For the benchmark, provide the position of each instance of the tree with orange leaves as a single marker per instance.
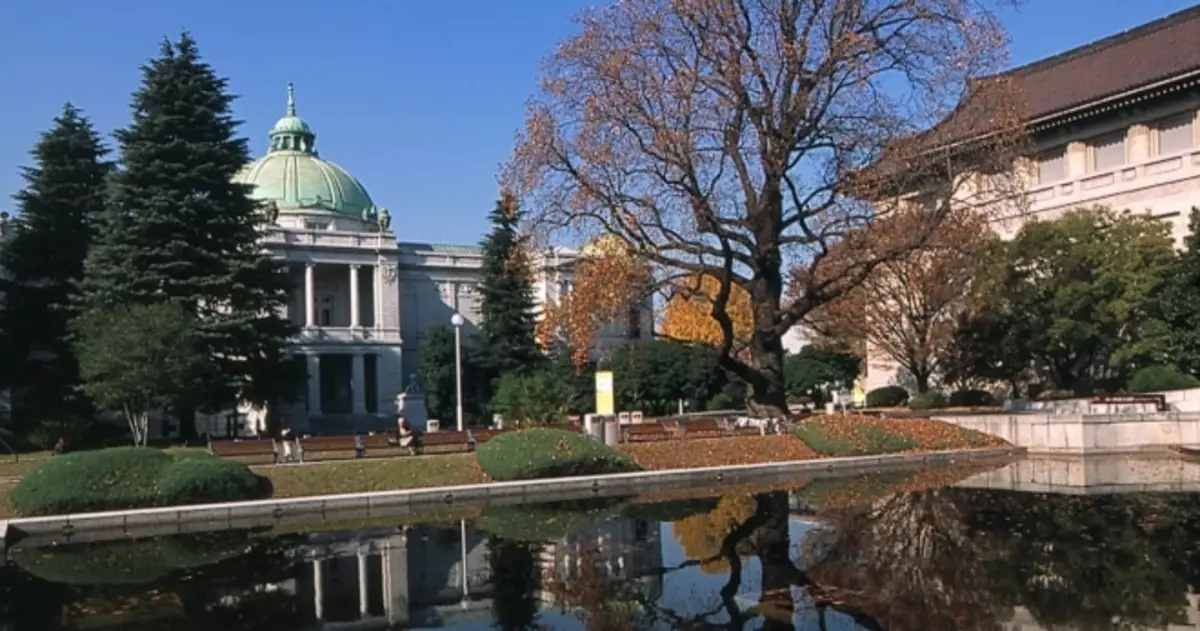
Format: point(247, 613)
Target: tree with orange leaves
point(687, 316)
point(907, 308)
point(735, 139)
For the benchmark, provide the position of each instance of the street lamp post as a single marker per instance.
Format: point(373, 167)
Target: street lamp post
point(458, 321)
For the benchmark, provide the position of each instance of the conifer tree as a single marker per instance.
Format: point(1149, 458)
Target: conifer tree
point(1179, 303)
point(178, 228)
point(42, 258)
point(508, 342)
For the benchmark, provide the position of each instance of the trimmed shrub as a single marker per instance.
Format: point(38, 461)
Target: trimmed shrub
point(1159, 378)
point(837, 440)
point(549, 453)
point(971, 399)
point(133, 477)
point(887, 397)
point(927, 401)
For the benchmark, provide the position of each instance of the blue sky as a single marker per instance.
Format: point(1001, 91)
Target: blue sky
point(418, 98)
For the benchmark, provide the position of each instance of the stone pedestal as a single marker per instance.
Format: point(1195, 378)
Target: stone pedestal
point(412, 407)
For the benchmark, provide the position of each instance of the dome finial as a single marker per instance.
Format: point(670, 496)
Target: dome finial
point(291, 106)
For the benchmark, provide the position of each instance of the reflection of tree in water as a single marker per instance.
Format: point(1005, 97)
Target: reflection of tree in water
point(701, 535)
point(1090, 562)
point(516, 576)
point(600, 603)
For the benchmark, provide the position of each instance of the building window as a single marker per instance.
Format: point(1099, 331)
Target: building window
point(316, 225)
point(1175, 133)
point(1108, 151)
point(1052, 166)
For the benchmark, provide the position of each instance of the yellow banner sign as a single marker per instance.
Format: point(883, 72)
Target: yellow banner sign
point(604, 393)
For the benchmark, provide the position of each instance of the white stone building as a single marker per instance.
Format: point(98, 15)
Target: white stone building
point(1115, 123)
point(364, 301)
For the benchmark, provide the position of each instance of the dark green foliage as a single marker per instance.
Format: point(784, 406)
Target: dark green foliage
point(178, 228)
point(654, 375)
point(927, 401)
point(538, 398)
point(870, 441)
point(671, 511)
point(507, 341)
point(43, 260)
point(549, 453)
point(580, 381)
point(1075, 294)
point(133, 477)
point(545, 522)
point(806, 373)
point(517, 577)
point(1161, 378)
point(971, 399)
point(887, 397)
point(131, 562)
point(140, 358)
point(437, 373)
point(1178, 303)
point(988, 346)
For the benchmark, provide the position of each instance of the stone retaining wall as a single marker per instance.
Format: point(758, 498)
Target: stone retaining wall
point(1050, 432)
point(268, 513)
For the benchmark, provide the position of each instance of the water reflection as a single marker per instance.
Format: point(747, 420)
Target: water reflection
point(896, 551)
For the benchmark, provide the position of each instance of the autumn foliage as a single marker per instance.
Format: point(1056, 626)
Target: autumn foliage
point(701, 535)
point(907, 308)
point(738, 140)
point(688, 313)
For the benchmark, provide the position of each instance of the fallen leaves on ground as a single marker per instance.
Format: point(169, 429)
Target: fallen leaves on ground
point(853, 435)
point(716, 452)
point(831, 494)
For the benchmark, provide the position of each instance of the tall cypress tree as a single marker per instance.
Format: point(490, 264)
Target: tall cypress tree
point(508, 342)
point(42, 258)
point(178, 228)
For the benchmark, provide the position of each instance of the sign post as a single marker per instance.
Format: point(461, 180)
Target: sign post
point(604, 393)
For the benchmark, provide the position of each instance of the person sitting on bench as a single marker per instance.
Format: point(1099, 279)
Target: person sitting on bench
point(406, 436)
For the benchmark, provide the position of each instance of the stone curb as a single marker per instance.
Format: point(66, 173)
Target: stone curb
point(260, 513)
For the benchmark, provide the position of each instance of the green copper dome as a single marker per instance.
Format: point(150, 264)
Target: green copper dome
point(294, 177)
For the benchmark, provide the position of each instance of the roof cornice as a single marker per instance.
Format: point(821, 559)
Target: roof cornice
point(1120, 100)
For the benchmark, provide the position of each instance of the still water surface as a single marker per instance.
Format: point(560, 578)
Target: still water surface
point(894, 551)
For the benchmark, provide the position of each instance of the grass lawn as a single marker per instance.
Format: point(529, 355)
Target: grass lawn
point(852, 435)
point(390, 474)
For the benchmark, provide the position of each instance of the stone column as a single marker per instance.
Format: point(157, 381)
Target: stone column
point(363, 583)
point(310, 299)
point(314, 383)
point(358, 384)
point(355, 316)
point(318, 589)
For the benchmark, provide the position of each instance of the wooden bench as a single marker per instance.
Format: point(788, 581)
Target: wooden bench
point(645, 433)
point(245, 448)
point(706, 428)
point(328, 444)
point(483, 435)
point(448, 441)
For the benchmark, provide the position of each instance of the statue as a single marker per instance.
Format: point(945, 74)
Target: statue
point(272, 211)
point(414, 384)
point(385, 220)
point(411, 403)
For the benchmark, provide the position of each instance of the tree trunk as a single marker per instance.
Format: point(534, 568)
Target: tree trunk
point(766, 396)
point(772, 547)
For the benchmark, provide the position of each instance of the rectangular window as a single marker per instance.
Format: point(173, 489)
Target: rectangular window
point(1108, 151)
point(316, 225)
point(1175, 133)
point(1052, 166)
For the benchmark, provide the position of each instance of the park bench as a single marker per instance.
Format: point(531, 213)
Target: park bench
point(245, 448)
point(645, 433)
point(483, 435)
point(449, 441)
point(706, 428)
point(329, 444)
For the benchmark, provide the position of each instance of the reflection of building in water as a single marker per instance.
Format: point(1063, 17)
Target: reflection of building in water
point(402, 577)
point(627, 549)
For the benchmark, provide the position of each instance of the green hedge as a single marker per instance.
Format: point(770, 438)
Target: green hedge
point(830, 439)
point(972, 399)
point(887, 397)
point(1161, 378)
point(133, 477)
point(927, 401)
point(549, 453)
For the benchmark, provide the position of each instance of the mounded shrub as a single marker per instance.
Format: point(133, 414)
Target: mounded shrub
point(887, 397)
point(549, 453)
point(841, 439)
point(133, 477)
point(971, 398)
point(927, 401)
point(1159, 378)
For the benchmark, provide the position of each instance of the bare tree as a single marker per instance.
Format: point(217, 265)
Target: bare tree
point(742, 139)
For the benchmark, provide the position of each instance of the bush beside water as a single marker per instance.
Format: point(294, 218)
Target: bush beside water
point(971, 399)
point(927, 401)
point(133, 477)
point(549, 453)
point(1161, 378)
point(887, 397)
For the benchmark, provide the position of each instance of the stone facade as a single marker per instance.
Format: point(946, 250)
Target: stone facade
point(1130, 142)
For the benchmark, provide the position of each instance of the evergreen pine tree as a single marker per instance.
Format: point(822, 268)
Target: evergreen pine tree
point(508, 342)
point(178, 228)
point(42, 257)
point(1179, 303)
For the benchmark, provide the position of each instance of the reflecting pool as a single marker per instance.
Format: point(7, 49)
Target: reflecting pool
point(897, 551)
